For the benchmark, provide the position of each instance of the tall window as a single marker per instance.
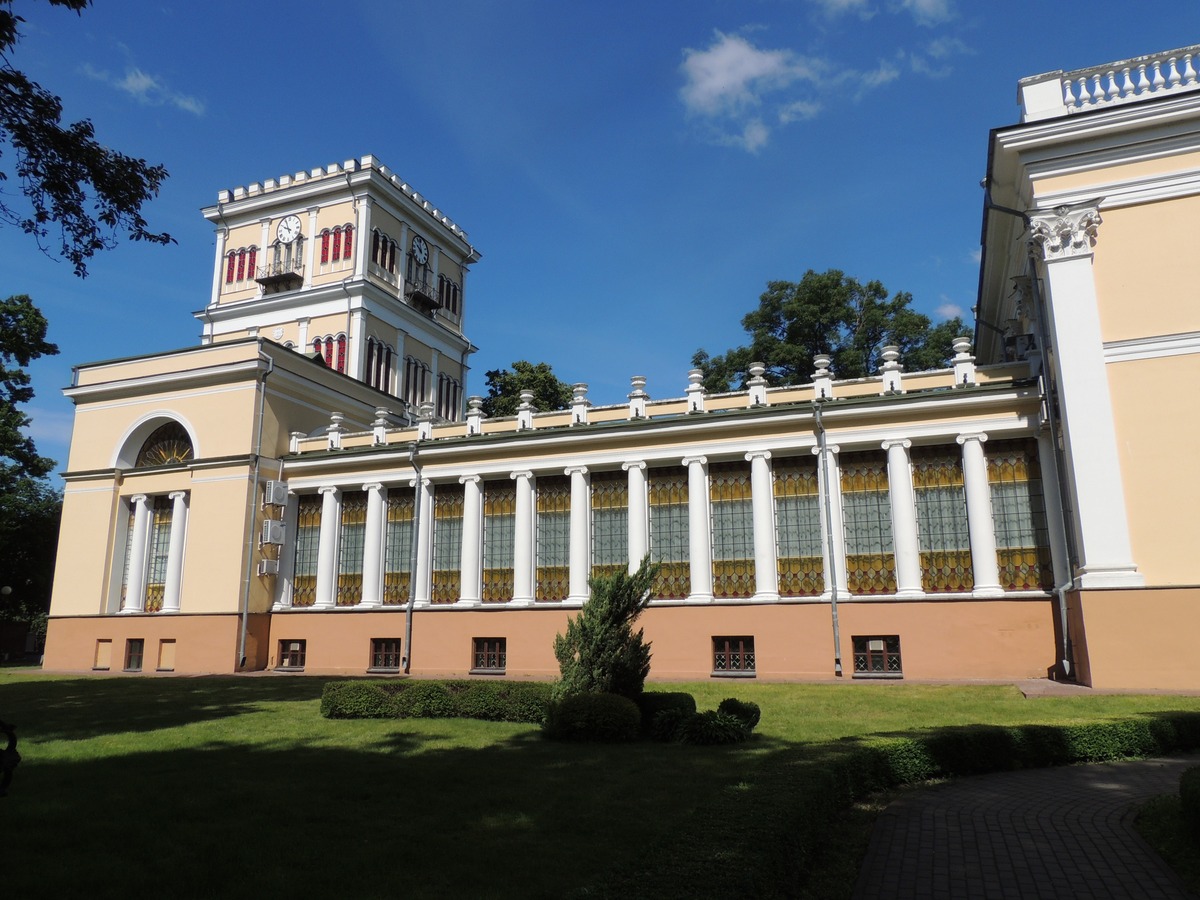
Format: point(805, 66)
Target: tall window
point(379, 365)
point(1019, 515)
point(447, 542)
point(732, 529)
point(347, 241)
point(351, 543)
point(449, 398)
point(383, 251)
point(610, 523)
point(325, 246)
point(308, 538)
point(416, 381)
point(553, 537)
point(669, 531)
point(337, 244)
point(499, 531)
point(341, 353)
point(870, 558)
point(448, 294)
point(241, 270)
point(942, 519)
point(733, 655)
point(397, 562)
point(252, 262)
point(231, 261)
point(798, 527)
point(134, 650)
point(156, 562)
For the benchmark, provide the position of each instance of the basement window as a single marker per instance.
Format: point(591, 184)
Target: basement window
point(490, 657)
point(291, 655)
point(733, 657)
point(877, 656)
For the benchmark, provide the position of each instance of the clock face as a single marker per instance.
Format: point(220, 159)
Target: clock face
point(289, 229)
point(420, 250)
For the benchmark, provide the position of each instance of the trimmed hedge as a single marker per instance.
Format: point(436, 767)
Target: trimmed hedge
point(651, 703)
point(593, 717)
point(497, 701)
point(1189, 797)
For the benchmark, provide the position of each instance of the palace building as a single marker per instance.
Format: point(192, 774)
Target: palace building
point(310, 489)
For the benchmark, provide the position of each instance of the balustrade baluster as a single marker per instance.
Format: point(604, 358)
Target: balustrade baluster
point(1127, 88)
point(1084, 97)
point(1068, 97)
point(1159, 81)
point(1143, 84)
point(1097, 88)
point(1113, 90)
point(1174, 78)
point(1189, 74)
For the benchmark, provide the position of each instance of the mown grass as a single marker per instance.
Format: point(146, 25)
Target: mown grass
point(236, 787)
point(1161, 824)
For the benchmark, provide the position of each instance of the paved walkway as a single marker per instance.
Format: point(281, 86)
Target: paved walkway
point(1053, 833)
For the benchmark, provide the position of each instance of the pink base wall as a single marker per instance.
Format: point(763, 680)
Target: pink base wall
point(1139, 639)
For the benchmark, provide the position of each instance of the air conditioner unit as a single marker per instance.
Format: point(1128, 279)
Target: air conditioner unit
point(272, 531)
point(275, 493)
point(268, 567)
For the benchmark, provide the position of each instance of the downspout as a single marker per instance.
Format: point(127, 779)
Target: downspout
point(245, 604)
point(824, 474)
point(412, 567)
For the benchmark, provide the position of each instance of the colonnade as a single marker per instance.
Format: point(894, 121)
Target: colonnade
point(139, 562)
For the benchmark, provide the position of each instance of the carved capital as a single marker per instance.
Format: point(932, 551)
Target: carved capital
point(896, 442)
point(1064, 233)
point(978, 436)
point(177, 495)
point(575, 470)
point(526, 475)
point(832, 448)
point(633, 465)
point(328, 489)
point(472, 479)
point(758, 454)
point(375, 486)
point(699, 460)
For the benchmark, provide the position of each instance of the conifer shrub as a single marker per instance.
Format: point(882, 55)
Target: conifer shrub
point(748, 713)
point(713, 727)
point(607, 718)
point(1189, 797)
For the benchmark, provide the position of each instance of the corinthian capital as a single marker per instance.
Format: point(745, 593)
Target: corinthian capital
point(1064, 232)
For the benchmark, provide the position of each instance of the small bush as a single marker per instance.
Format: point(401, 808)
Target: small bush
point(747, 713)
point(668, 723)
point(651, 703)
point(713, 727)
point(1189, 797)
point(593, 717)
point(425, 700)
point(357, 700)
point(502, 701)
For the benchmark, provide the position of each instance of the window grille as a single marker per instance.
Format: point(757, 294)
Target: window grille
point(134, 650)
point(733, 654)
point(156, 561)
point(553, 537)
point(325, 246)
point(499, 532)
point(491, 654)
point(610, 523)
point(337, 244)
point(447, 542)
point(397, 563)
point(351, 542)
point(866, 506)
point(308, 539)
point(798, 527)
point(291, 654)
point(732, 529)
point(1019, 515)
point(877, 655)
point(385, 654)
point(241, 268)
point(669, 531)
point(941, 499)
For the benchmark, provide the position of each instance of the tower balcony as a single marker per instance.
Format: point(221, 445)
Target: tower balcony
point(281, 275)
point(421, 295)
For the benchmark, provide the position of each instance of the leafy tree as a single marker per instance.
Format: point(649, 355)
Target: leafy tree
point(91, 193)
point(504, 389)
point(600, 652)
point(22, 340)
point(29, 518)
point(829, 313)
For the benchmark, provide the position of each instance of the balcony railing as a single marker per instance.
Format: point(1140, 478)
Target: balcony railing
point(282, 275)
point(421, 294)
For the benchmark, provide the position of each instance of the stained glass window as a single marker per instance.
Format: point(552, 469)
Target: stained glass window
point(337, 244)
point(350, 557)
point(732, 529)
point(324, 246)
point(167, 445)
point(798, 527)
point(870, 558)
point(341, 350)
point(347, 245)
point(230, 267)
point(499, 531)
point(610, 523)
point(252, 263)
point(553, 537)
point(156, 559)
point(308, 539)
point(241, 269)
point(397, 562)
point(733, 654)
point(1019, 515)
point(942, 519)
point(329, 352)
point(447, 542)
point(669, 531)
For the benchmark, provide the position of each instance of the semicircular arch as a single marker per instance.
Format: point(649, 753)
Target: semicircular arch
point(125, 455)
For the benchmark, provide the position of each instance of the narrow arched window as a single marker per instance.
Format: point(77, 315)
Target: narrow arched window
point(370, 367)
point(317, 349)
point(252, 263)
point(241, 272)
point(347, 246)
point(442, 291)
point(229, 268)
point(454, 302)
point(341, 348)
point(325, 246)
point(375, 247)
point(337, 243)
point(392, 257)
point(386, 382)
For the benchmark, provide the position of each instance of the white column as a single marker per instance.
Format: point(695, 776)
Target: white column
point(362, 230)
point(639, 514)
point(762, 495)
point(285, 581)
point(699, 528)
point(312, 245)
point(327, 541)
point(580, 558)
point(523, 558)
point(1054, 510)
point(219, 274)
point(423, 577)
point(373, 537)
point(356, 358)
point(471, 566)
point(1064, 239)
point(433, 378)
point(174, 577)
point(905, 545)
point(397, 388)
point(979, 517)
point(830, 471)
point(302, 337)
point(264, 247)
point(135, 587)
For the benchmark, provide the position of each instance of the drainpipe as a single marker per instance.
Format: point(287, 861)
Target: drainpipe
point(245, 604)
point(412, 567)
point(829, 538)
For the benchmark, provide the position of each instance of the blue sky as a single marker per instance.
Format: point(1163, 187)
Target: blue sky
point(633, 173)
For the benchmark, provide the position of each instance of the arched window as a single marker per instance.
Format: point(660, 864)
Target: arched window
point(168, 444)
point(229, 268)
point(416, 381)
point(317, 349)
point(329, 352)
point(325, 246)
point(241, 272)
point(337, 243)
point(449, 397)
point(347, 246)
point(375, 242)
point(341, 347)
point(391, 263)
point(252, 263)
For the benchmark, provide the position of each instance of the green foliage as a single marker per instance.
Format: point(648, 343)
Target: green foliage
point(667, 724)
point(829, 313)
point(651, 703)
point(713, 727)
point(1189, 797)
point(604, 718)
point(747, 713)
point(503, 701)
point(357, 700)
point(497, 701)
point(504, 389)
point(22, 340)
point(425, 700)
point(600, 652)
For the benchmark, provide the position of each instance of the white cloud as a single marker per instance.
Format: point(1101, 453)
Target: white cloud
point(754, 135)
point(948, 46)
point(50, 427)
point(149, 90)
point(837, 7)
point(977, 255)
point(733, 74)
point(949, 309)
point(929, 12)
point(882, 75)
point(798, 111)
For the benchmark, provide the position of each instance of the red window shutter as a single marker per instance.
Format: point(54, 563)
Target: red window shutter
point(241, 265)
point(329, 352)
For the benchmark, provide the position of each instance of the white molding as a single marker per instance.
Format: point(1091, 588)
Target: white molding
point(1127, 191)
point(145, 425)
point(205, 375)
point(1155, 347)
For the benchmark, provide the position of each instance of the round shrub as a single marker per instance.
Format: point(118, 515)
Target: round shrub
point(747, 713)
point(356, 700)
point(668, 724)
point(425, 700)
point(713, 727)
point(651, 703)
point(593, 717)
point(1189, 797)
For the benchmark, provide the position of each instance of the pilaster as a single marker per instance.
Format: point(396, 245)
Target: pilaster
point(639, 514)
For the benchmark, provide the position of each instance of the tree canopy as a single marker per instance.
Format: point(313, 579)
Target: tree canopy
point(829, 313)
point(92, 194)
point(505, 386)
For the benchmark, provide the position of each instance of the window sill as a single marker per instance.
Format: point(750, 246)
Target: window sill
point(879, 676)
point(486, 672)
point(100, 668)
point(734, 674)
point(289, 668)
point(165, 670)
point(132, 671)
point(384, 671)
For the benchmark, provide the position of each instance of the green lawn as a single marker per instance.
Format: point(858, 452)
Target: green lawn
point(1160, 821)
point(236, 787)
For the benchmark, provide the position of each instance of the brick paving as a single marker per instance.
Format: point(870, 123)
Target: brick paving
point(1046, 833)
